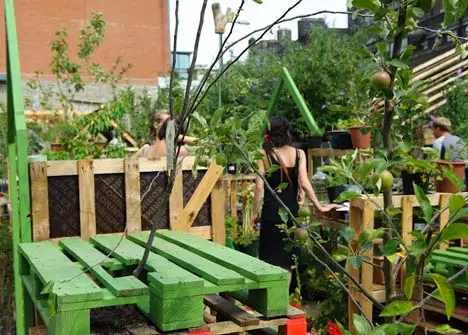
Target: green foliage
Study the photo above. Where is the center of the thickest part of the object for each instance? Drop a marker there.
(457, 109)
(397, 308)
(445, 293)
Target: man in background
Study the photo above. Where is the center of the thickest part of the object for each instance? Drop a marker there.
(450, 147)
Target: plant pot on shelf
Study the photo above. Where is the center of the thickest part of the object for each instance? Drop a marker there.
(420, 179)
(445, 185)
(359, 139)
(57, 147)
(312, 142)
(340, 139)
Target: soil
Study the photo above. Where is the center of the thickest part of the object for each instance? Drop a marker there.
(116, 320)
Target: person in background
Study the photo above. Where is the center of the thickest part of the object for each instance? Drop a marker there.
(157, 147)
(291, 172)
(450, 147)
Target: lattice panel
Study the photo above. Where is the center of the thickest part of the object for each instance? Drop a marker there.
(110, 203)
(152, 199)
(190, 184)
(64, 206)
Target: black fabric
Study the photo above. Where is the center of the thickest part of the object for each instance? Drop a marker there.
(272, 239)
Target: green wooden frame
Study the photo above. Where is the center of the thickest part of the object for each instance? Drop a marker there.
(17, 168)
(287, 80)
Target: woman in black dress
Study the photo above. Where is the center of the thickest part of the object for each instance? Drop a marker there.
(293, 172)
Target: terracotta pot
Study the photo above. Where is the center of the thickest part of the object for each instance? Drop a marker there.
(378, 273)
(360, 141)
(445, 185)
(57, 147)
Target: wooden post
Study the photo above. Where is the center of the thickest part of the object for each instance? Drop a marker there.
(234, 198)
(87, 199)
(444, 217)
(218, 212)
(367, 270)
(176, 201)
(310, 163)
(132, 195)
(406, 229)
(39, 201)
(355, 217)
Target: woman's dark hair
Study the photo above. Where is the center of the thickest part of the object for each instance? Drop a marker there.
(279, 132)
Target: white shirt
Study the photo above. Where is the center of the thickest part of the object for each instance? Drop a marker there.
(437, 145)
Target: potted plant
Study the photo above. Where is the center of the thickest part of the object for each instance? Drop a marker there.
(415, 166)
(231, 224)
(450, 175)
(247, 237)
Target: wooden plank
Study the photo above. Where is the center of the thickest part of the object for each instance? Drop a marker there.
(310, 163)
(434, 199)
(406, 229)
(248, 266)
(108, 166)
(196, 264)
(39, 201)
(367, 270)
(87, 199)
(228, 311)
(170, 278)
(444, 216)
(234, 200)
(176, 201)
(62, 168)
(132, 195)
(201, 194)
(71, 285)
(229, 327)
(94, 260)
(355, 217)
(218, 212)
(149, 165)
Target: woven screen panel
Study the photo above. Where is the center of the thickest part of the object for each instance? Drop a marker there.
(64, 206)
(149, 205)
(109, 192)
(190, 184)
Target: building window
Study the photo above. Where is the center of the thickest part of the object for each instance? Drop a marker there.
(182, 64)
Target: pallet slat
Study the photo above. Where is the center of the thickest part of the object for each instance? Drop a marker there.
(39, 202)
(229, 311)
(132, 195)
(87, 199)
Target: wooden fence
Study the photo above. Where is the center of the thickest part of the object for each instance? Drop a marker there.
(89, 197)
(362, 211)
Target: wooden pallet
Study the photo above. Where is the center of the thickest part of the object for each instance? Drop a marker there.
(181, 270)
(449, 262)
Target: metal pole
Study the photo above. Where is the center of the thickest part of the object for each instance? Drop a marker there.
(221, 65)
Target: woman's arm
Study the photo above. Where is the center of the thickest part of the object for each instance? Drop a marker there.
(307, 187)
(188, 139)
(258, 194)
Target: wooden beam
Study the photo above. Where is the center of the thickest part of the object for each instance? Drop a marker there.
(355, 218)
(367, 270)
(406, 229)
(132, 195)
(218, 212)
(39, 201)
(201, 194)
(444, 216)
(176, 201)
(87, 199)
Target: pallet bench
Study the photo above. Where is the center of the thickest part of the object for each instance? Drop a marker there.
(448, 262)
(181, 270)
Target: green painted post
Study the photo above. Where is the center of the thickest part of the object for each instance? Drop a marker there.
(18, 169)
(299, 100)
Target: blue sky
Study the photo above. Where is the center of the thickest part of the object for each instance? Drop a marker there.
(257, 15)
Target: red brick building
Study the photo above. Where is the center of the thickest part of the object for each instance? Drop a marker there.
(138, 31)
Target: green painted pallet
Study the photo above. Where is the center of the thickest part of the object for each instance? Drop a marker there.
(449, 262)
(181, 269)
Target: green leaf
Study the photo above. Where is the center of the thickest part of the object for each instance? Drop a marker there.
(361, 324)
(453, 178)
(455, 231)
(221, 159)
(356, 261)
(348, 195)
(423, 202)
(409, 286)
(338, 108)
(418, 12)
(399, 64)
(371, 5)
(446, 329)
(456, 202)
(283, 215)
(446, 293)
(391, 246)
(283, 186)
(348, 234)
(393, 329)
(397, 308)
(461, 213)
(272, 169)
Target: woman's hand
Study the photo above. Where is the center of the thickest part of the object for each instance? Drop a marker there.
(327, 208)
(255, 221)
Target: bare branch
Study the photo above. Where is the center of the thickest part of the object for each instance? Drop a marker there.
(194, 58)
(197, 103)
(174, 60)
(444, 32)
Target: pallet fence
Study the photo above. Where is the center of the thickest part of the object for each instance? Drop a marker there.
(210, 187)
